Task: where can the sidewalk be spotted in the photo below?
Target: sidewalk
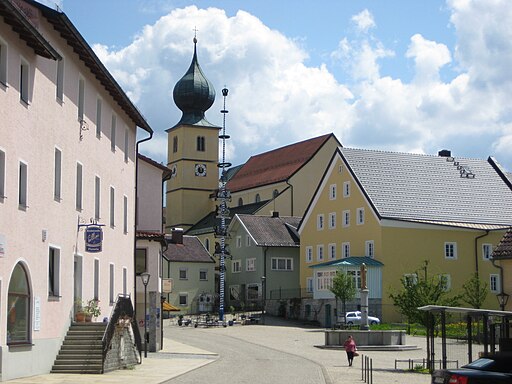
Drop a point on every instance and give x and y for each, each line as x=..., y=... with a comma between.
x=174, y=360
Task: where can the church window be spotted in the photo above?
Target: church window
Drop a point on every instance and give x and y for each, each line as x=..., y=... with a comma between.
x=175, y=144
x=201, y=143
x=257, y=199
x=275, y=193
x=240, y=201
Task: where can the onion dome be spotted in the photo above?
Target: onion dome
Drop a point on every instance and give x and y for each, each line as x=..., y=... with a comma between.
x=194, y=94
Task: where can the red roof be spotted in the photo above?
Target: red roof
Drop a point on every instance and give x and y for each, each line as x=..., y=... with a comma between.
x=276, y=165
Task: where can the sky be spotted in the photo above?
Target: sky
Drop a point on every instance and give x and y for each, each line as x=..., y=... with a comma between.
x=397, y=75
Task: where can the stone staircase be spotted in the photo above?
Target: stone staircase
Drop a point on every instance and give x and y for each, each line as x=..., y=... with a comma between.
x=81, y=351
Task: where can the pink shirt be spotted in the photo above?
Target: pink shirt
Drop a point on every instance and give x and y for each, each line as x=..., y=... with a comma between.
x=350, y=345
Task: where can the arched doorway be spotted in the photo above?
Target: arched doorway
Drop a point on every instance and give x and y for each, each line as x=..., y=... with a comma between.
x=18, y=307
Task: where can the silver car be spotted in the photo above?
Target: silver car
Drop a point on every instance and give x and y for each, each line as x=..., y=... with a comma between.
x=355, y=318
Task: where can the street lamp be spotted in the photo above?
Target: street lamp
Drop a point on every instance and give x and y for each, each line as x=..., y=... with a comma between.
x=145, y=280
x=502, y=299
x=264, y=294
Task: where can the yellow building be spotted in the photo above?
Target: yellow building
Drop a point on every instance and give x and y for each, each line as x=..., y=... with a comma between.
x=402, y=209
x=502, y=257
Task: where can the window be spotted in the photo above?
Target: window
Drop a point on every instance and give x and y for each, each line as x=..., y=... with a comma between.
x=411, y=278
x=486, y=251
x=345, y=249
x=59, y=89
x=24, y=75
x=240, y=202
x=332, y=220
x=125, y=214
x=356, y=275
x=112, y=206
x=247, y=240
x=99, y=103
x=125, y=280
x=257, y=199
x=81, y=98
x=239, y=241
x=253, y=292
x=183, y=300
x=200, y=143
x=320, y=222
x=111, y=284
x=369, y=248
x=319, y=252
x=250, y=265
x=309, y=285
x=203, y=275
x=53, y=272
x=236, y=266
x=113, y=128
x=57, y=177
x=2, y=175
x=332, y=251
x=22, y=186
x=346, y=218
x=346, y=189
x=324, y=280
x=282, y=264
x=450, y=250
x=360, y=216
x=18, y=307
x=309, y=254
x=446, y=281
x=3, y=63
x=96, y=279
x=332, y=192
x=97, y=197
x=140, y=261
x=126, y=142
x=79, y=187
x=494, y=283
x=207, y=244
x=275, y=193
x=175, y=144
x=183, y=274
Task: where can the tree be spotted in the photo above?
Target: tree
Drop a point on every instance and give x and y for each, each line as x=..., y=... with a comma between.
x=474, y=291
x=343, y=288
x=419, y=291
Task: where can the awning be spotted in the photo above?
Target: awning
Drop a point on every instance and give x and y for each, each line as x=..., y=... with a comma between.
x=169, y=307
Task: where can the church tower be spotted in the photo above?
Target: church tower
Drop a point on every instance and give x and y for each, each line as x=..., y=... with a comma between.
x=193, y=151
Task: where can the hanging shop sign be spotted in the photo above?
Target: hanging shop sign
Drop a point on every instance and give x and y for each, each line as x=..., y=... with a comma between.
x=93, y=238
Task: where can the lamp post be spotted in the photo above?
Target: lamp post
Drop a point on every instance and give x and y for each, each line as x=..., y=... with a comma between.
x=502, y=299
x=264, y=294
x=145, y=280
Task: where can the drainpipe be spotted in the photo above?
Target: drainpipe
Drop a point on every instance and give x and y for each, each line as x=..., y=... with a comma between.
x=291, y=186
x=476, y=250
x=135, y=221
x=265, y=272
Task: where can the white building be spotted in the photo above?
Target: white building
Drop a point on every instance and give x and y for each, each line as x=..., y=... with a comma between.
x=67, y=158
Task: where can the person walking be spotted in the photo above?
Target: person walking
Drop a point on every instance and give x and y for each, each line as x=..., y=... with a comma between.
x=350, y=348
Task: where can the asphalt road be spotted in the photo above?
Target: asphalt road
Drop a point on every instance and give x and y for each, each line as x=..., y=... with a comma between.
x=241, y=361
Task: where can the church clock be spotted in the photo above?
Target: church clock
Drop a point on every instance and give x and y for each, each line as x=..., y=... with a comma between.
x=201, y=170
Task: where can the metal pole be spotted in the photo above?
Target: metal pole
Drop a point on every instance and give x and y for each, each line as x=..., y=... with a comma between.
x=145, y=320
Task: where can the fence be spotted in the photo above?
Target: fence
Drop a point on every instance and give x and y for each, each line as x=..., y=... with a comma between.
x=366, y=369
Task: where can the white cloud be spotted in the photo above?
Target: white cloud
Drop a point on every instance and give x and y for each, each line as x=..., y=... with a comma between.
x=429, y=57
x=364, y=21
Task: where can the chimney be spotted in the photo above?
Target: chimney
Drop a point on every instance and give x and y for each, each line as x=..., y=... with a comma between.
x=275, y=214
x=177, y=236
x=445, y=153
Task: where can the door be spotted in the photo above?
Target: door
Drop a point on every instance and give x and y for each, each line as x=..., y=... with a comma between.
x=77, y=280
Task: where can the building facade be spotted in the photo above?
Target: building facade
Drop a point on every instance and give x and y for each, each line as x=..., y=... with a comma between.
x=67, y=160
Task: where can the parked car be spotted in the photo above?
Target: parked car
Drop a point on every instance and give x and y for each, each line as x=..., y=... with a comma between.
x=486, y=370
x=355, y=318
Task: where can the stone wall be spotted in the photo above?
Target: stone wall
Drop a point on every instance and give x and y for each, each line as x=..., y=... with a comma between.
x=123, y=351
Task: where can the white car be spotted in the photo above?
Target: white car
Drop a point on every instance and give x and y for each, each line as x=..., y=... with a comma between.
x=355, y=318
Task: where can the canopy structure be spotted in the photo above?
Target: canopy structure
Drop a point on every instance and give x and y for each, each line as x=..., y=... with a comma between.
x=166, y=306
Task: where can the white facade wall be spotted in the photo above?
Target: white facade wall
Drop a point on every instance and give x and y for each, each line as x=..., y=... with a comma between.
x=29, y=133
x=150, y=192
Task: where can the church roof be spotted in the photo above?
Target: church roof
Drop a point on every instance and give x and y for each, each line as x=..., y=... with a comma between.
x=276, y=165
x=272, y=231
x=194, y=94
x=504, y=248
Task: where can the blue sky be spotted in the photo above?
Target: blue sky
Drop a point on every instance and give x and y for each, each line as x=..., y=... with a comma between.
x=409, y=76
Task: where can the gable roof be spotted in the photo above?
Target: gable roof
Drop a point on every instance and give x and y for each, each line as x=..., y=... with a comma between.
x=414, y=187
x=206, y=224
x=504, y=248
x=276, y=165
x=152, y=162
x=191, y=251
x=272, y=231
